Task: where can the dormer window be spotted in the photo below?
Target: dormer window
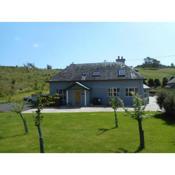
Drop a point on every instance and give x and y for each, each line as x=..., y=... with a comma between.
x=121, y=73
x=83, y=76
x=96, y=74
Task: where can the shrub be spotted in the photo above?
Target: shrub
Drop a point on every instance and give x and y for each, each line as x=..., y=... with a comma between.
x=169, y=104
x=164, y=82
x=160, y=98
x=157, y=82
x=166, y=100
x=150, y=82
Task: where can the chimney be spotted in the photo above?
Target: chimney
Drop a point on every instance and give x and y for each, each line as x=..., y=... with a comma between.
x=120, y=60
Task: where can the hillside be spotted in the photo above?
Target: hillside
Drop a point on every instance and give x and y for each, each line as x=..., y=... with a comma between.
x=157, y=73
x=22, y=81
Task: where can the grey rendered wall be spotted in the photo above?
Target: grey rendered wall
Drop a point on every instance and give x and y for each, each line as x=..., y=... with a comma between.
x=100, y=89
x=54, y=86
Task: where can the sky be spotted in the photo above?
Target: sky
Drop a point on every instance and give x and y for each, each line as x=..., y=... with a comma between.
x=60, y=44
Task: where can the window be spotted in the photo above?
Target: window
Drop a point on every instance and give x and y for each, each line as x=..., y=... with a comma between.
x=96, y=74
x=121, y=73
x=83, y=76
x=129, y=91
x=113, y=92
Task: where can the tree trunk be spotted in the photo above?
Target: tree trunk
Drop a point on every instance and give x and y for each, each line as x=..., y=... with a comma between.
x=141, y=133
x=24, y=123
x=41, y=141
x=116, y=120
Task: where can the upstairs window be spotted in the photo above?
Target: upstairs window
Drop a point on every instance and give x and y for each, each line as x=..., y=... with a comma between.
x=113, y=92
x=121, y=73
x=96, y=74
x=130, y=91
x=83, y=76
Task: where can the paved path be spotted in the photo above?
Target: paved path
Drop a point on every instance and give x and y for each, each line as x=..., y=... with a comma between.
x=152, y=106
x=6, y=107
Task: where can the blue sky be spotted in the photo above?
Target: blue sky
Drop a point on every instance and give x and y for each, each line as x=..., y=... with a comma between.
x=59, y=44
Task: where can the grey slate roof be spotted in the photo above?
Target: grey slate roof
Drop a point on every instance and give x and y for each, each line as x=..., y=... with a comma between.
x=171, y=81
x=106, y=70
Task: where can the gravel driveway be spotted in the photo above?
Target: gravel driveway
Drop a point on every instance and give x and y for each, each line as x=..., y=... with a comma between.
x=152, y=106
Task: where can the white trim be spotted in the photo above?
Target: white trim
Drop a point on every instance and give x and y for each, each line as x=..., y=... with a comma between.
x=67, y=97
x=85, y=98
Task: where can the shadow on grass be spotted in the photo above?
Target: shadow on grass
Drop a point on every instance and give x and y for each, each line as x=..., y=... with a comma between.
x=123, y=150
x=103, y=130
x=168, y=118
x=12, y=136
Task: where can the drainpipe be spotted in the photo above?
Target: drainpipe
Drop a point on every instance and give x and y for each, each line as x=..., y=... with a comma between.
x=67, y=97
x=85, y=98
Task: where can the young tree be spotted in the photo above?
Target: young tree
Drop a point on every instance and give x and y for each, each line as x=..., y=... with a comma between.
x=40, y=103
x=138, y=115
x=116, y=102
x=18, y=108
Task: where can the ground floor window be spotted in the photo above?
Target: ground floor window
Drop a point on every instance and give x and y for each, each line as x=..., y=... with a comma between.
x=113, y=92
x=130, y=91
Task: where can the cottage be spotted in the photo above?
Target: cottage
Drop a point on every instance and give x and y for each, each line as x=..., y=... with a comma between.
x=95, y=83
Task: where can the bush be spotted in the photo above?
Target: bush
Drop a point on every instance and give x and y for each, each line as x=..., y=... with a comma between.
x=157, y=82
x=166, y=100
x=169, y=104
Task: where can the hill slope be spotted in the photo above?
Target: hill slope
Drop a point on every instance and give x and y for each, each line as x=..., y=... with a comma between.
x=157, y=73
x=23, y=81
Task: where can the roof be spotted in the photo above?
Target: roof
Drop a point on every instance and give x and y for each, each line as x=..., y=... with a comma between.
x=171, y=81
x=96, y=71
x=79, y=84
x=145, y=86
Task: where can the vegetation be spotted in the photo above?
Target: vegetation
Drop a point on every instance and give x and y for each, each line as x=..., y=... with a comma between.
x=116, y=102
x=82, y=132
x=159, y=73
x=138, y=115
x=18, y=108
x=17, y=82
x=166, y=101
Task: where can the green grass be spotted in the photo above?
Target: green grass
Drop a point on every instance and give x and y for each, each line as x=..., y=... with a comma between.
x=84, y=133
x=157, y=73
x=25, y=81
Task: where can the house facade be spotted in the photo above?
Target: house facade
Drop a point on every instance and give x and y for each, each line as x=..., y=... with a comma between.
x=95, y=83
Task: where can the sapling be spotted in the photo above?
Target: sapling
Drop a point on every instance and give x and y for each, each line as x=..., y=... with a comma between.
x=138, y=114
x=18, y=108
x=116, y=102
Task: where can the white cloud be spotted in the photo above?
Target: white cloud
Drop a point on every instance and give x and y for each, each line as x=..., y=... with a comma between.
x=35, y=45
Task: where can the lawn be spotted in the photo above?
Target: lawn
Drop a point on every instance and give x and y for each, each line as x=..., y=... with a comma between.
x=85, y=133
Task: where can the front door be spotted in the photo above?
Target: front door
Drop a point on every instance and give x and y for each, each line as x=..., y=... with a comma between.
x=77, y=97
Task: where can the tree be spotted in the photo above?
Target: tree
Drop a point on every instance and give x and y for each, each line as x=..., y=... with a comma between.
x=49, y=66
x=116, y=102
x=40, y=103
x=12, y=90
x=18, y=108
x=157, y=82
x=151, y=82
x=172, y=64
x=151, y=62
x=138, y=114
x=164, y=81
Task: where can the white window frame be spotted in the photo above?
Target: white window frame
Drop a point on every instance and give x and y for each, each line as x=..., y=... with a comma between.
x=113, y=92
x=128, y=91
